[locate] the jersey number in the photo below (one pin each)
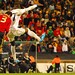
(3, 19)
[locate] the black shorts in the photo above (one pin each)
(1, 37)
(57, 65)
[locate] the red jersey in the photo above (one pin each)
(5, 22)
(56, 32)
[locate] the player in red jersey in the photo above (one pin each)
(5, 22)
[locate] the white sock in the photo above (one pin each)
(32, 34)
(13, 52)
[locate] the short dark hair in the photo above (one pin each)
(57, 56)
(9, 13)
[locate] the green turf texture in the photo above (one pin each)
(37, 73)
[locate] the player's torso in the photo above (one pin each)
(3, 22)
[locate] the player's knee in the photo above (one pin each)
(13, 43)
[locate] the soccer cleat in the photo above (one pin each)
(42, 37)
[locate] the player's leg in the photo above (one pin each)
(13, 51)
(1, 44)
(21, 11)
(21, 31)
(14, 31)
(32, 34)
(11, 39)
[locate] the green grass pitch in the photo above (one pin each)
(37, 73)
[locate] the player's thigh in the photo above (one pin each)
(19, 31)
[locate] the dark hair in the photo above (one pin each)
(9, 13)
(57, 56)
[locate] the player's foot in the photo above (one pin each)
(42, 37)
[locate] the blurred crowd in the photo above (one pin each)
(6, 4)
(54, 17)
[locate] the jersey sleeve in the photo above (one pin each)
(8, 25)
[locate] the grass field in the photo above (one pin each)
(37, 74)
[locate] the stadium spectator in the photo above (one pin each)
(10, 4)
(12, 65)
(52, 7)
(67, 33)
(65, 46)
(5, 22)
(59, 47)
(27, 61)
(50, 32)
(55, 65)
(62, 32)
(23, 67)
(50, 47)
(72, 32)
(33, 63)
(31, 24)
(3, 65)
(57, 32)
(43, 47)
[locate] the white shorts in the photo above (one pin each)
(15, 32)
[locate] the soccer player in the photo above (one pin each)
(20, 31)
(5, 22)
(15, 31)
